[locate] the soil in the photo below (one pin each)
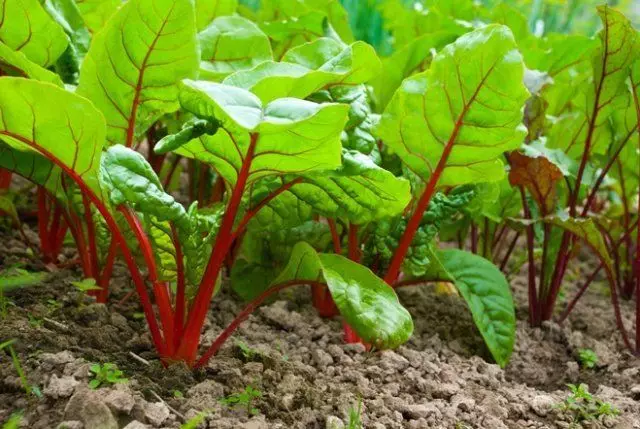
(305, 376)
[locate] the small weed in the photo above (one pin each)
(178, 394)
(248, 353)
(588, 358)
(13, 422)
(34, 321)
(582, 406)
(83, 287)
(106, 374)
(193, 422)
(355, 416)
(28, 388)
(244, 399)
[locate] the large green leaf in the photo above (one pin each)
(13, 63)
(366, 302)
(229, 44)
(135, 62)
(309, 68)
(41, 118)
(604, 94)
(465, 111)
(97, 12)
(293, 136)
(208, 10)
(26, 27)
(487, 293)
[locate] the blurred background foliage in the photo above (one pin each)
(390, 24)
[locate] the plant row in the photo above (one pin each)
(312, 161)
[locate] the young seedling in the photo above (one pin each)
(588, 358)
(105, 375)
(13, 422)
(28, 388)
(582, 406)
(248, 353)
(245, 399)
(355, 416)
(84, 286)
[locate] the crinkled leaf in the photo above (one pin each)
(466, 109)
(208, 10)
(230, 44)
(293, 136)
(129, 179)
(538, 175)
(386, 234)
(366, 302)
(26, 27)
(309, 68)
(13, 63)
(133, 67)
(41, 118)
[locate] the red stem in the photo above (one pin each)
(636, 100)
(107, 271)
(180, 289)
(354, 244)
(172, 169)
(335, 238)
(510, 250)
(91, 238)
(244, 314)
(5, 178)
(414, 222)
(43, 224)
(533, 298)
(191, 338)
(159, 288)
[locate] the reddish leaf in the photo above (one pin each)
(538, 175)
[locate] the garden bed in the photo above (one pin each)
(307, 377)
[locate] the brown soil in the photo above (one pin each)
(308, 378)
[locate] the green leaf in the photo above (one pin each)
(129, 179)
(96, 12)
(604, 94)
(309, 68)
(135, 62)
(26, 27)
(13, 63)
(367, 303)
(230, 44)
(488, 295)
(208, 10)
(469, 103)
(37, 117)
(292, 136)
